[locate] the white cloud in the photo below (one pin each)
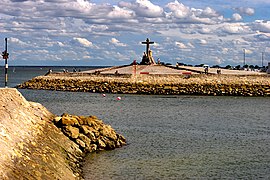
(115, 55)
(119, 13)
(246, 11)
(225, 50)
(190, 45)
(181, 45)
(187, 46)
(116, 42)
(83, 41)
(263, 36)
(263, 26)
(204, 30)
(87, 57)
(248, 51)
(144, 8)
(185, 14)
(235, 28)
(237, 17)
(49, 25)
(217, 61)
(179, 10)
(16, 41)
(60, 44)
(209, 12)
(203, 42)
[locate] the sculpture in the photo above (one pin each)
(147, 56)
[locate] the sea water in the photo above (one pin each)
(173, 137)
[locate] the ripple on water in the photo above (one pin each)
(174, 137)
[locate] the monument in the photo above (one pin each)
(147, 55)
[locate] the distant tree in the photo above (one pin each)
(237, 67)
(216, 66)
(251, 66)
(190, 65)
(228, 67)
(245, 66)
(257, 67)
(200, 65)
(182, 64)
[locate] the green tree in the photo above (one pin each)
(237, 67)
(228, 67)
(251, 66)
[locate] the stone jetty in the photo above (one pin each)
(36, 144)
(191, 84)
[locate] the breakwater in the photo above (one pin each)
(36, 144)
(214, 85)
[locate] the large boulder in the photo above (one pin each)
(89, 133)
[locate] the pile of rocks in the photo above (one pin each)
(202, 85)
(90, 133)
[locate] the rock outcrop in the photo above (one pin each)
(89, 133)
(32, 147)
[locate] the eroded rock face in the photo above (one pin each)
(90, 133)
(33, 147)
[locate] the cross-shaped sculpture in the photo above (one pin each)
(147, 42)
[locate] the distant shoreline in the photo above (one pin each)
(47, 66)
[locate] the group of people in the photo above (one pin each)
(148, 58)
(206, 69)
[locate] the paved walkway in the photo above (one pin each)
(140, 69)
(223, 71)
(163, 70)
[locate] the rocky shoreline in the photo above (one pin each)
(36, 144)
(89, 133)
(210, 85)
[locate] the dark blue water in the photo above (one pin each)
(17, 75)
(174, 137)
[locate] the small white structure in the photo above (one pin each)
(268, 70)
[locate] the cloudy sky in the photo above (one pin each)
(92, 32)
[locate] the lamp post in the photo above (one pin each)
(262, 58)
(5, 56)
(244, 50)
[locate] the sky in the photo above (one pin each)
(109, 33)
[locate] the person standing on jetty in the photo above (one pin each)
(206, 69)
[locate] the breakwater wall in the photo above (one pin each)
(36, 144)
(176, 85)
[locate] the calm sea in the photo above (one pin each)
(169, 137)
